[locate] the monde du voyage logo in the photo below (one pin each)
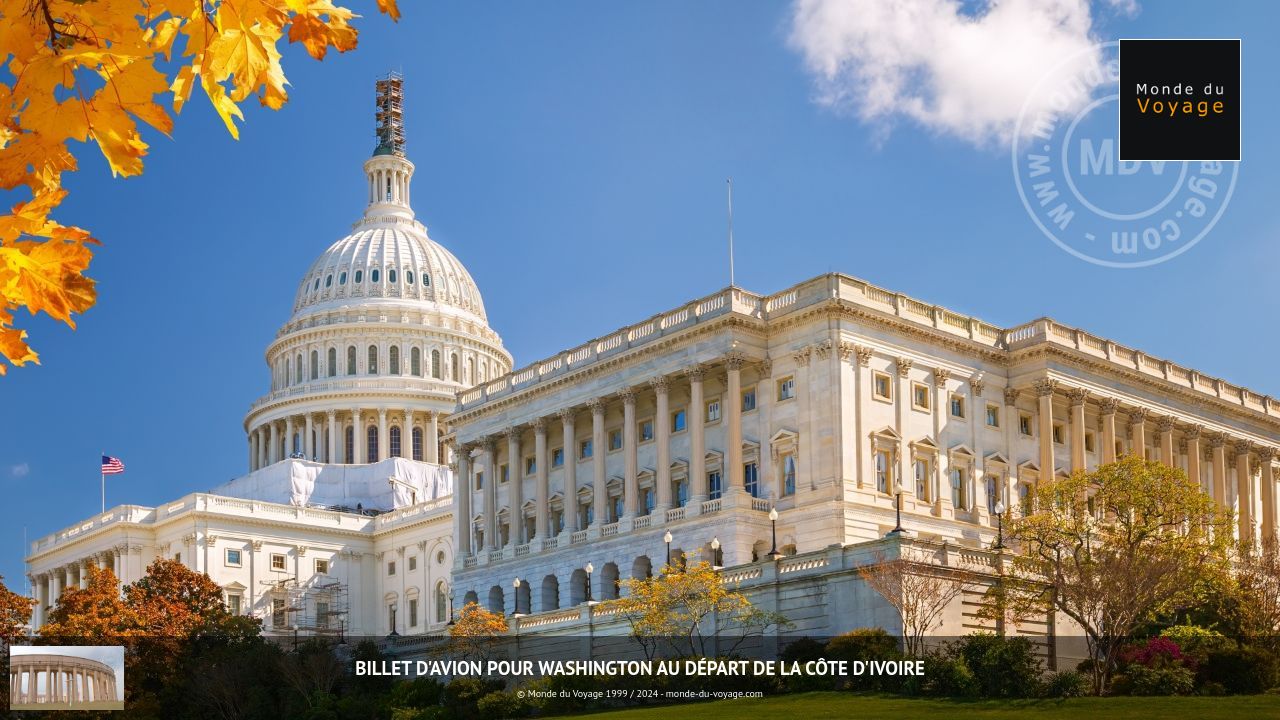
(1125, 154)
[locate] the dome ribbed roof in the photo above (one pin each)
(388, 263)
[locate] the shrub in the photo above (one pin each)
(1064, 684)
(502, 704)
(807, 650)
(1156, 653)
(1164, 680)
(866, 644)
(944, 676)
(462, 695)
(1001, 667)
(1240, 671)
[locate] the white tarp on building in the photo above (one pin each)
(302, 482)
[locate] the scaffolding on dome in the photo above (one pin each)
(390, 115)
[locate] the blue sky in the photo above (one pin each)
(573, 156)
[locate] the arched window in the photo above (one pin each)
(317, 285)
(408, 277)
(349, 455)
(328, 280)
(297, 368)
(426, 279)
(373, 360)
(333, 362)
(442, 602)
(315, 364)
(393, 359)
(435, 364)
(391, 276)
(415, 362)
(359, 276)
(351, 359)
(395, 441)
(342, 278)
(417, 443)
(373, 275)
(453, 367)
(371, 455)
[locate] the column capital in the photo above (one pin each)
(331, 414)
(694, 373)
(539, 426)
(1137, 416)
(940, 376)
(733, 360)
(1166, 423)
(660, 384)
(766, 367)
(864, 354)
(1011, 396)
(823, 349)
(1077, 396)
(512, 433)
(904, 366)
(490, 444)
(567, 415)
(976, 383)
(628, 397)
(1243, 447)
(1217, 440)
(597, 406)
(382, 413)
(1108, 405)
(1045, 387)
(845, 348)
(1192, 432)
(1266, 453)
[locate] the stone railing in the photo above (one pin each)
(362, 383)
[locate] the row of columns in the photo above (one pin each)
(267, 446)
(63, 683)
(48, 586)
(732, 473)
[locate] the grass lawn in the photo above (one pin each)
(816, 706)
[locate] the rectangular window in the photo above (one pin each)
(585, 449)
(233, 558)
(277, 561)
(504, 471)
(993, 494)
(322, 614)
(749, 399)
(713, 485)
(619, 506)
(479, 481)
(233, 604)
(1057, 433)
(677, 421)
(786, 388)
(788, 474)
(1088, 442)
(557, 457)
(919, 396)
(957, 406)
(322, 566)
(615, 440)
(882, 386)
(530, 465)
(922, 478)
(993, 416)
(681, 492)
(884, 471)
(958, 499)
(391, 568)
(413, 563)
(751, 479)
(413, 612)
(1024, 424)
(177, 557)
(277, 612)
(646, 430)
(648, 501)
(713, 411)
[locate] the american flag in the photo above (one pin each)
(111, 465)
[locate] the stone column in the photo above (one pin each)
(941, 480)
(630, 438)
(1268, 493)
(542, 491)
(333, 454)
(906, 474)
(1010, 418)
(288, 436)
(406, 441)
(862, 381)
(1244, 491)
(733, 409)
(1195, 454)
(515, 489)
(490, 491)
(274, 455)
(1166, 425)
(433, 440)
(357, 438)
(1108, 407)
(771, 481)
(1077, 397)
(697, 440)
(1138, 431)
(1044, 394)
(309, 440)
(570, 484)
(662, 438)
(600, 512)
(1217, 448)
(462, 498)
(384, 444)
(253, 450)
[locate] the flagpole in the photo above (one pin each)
(104, 483)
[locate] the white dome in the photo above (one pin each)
(392, 262)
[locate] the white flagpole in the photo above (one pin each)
(730, 181)
(104, 483)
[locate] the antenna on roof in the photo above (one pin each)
(730, 181)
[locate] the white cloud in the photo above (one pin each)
(19, 470)
(954, 69)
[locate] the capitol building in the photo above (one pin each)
(400, 467)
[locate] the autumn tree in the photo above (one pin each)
(1113, 549)
(686, 608)
(919, 591)
(89, 71)
(171, 600)
(93, 613)
(15, 614)
(475, 633)
(1257, 577)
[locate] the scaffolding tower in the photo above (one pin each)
(390, 115)
(319, 609)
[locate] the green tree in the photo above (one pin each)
(1112, 550)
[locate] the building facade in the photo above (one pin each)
(825, 402)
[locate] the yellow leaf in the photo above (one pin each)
(13, 346)
(47, 277)
(389, 7)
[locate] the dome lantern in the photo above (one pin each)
(389, 171)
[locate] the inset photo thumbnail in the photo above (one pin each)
(74, 677)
